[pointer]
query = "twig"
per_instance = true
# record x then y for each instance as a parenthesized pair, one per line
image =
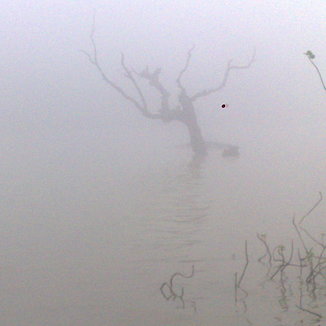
(236, 287)
(309, 311)
(282, 267)
(300, 277)
(93, 58)
(229, 67)
(245, 267)
(268, 252)
(300, 236)
(310, 210)
(184, 68)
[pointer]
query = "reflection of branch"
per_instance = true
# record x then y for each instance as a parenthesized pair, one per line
(229, 67)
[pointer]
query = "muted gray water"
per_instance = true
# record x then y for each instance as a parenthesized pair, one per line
(86, 246)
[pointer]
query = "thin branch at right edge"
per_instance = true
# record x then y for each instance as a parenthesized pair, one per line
(319, 73)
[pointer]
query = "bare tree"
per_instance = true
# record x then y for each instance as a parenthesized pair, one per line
(311, 57)
(184, 112)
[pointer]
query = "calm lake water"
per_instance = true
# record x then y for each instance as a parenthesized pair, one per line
(87, 240)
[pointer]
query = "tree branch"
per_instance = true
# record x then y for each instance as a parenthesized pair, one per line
(132, 79)
(229, 67)
(93, 58)
(167, 114)
(153, 80)
(184, 69)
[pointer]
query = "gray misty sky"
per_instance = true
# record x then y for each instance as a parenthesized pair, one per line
(52, 96)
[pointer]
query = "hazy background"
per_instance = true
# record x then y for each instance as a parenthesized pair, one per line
(88, 186)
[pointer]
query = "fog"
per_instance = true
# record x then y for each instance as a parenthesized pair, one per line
(101, 206)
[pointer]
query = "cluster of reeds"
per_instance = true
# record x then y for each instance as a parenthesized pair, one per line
(307, 261)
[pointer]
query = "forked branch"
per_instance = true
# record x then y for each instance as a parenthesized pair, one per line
(93, 59)
(184, 69)
(229, 68)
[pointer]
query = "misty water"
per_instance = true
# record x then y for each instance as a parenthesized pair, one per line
(90, 244)
(106, 217)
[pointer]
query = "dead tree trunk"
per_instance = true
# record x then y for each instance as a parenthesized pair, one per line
(189, 118)
(183, 112)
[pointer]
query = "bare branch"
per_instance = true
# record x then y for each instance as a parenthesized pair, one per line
(153, 79)
(184, 68)
(229, 68)
(131, 77)
(93, 58)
